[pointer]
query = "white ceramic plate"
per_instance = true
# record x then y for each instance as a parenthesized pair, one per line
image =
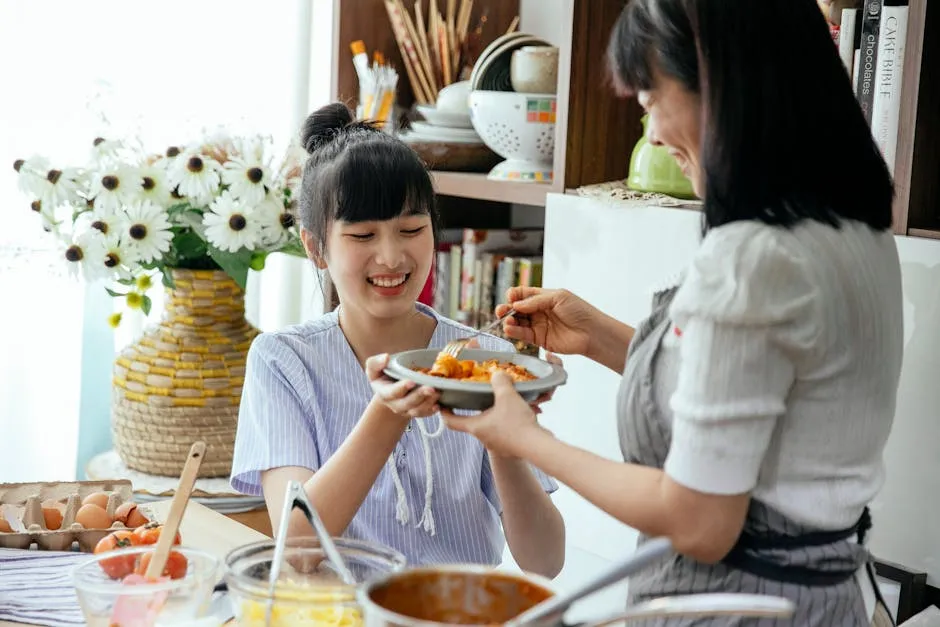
(472, 395)
(445, 119)
(410, 137)
(423, 128)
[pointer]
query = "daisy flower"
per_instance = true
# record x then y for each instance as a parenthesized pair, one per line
(154, 186)
(196, 176)
(83, 254)
(105, 152)
(231, 225)
(31, 175)
(276, 222)
(61, 187)
(146, 230)
(248, 179)
(116, 258)
(111, 189)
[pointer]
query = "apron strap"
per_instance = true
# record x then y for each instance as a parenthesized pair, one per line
(743, 556)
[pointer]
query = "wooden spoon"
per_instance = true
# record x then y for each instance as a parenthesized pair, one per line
(143, 610)
(177, 508)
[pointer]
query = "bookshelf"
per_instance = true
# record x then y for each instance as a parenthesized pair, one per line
(595, 131)
(917, 165)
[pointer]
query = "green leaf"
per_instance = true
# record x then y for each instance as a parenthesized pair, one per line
(167, 278)
(236, 265)
(127, 282)
(113, 293)
(145, 304)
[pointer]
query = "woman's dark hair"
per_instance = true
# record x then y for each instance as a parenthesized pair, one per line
(357, 173)
(783, 137)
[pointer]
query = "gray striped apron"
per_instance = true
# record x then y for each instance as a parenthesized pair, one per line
(774, 555)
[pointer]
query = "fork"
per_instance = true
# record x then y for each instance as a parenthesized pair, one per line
(455, 347)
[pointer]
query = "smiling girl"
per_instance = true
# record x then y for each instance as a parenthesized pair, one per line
(373, 454)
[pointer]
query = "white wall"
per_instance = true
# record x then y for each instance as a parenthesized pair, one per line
(615, 254)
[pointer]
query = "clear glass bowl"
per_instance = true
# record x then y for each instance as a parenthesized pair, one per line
(309, 591)
(176, 601)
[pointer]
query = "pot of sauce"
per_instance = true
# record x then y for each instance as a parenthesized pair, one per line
(483, 597)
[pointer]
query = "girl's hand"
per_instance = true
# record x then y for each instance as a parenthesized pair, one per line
(405, 398)
(502, 428)
(556, 320)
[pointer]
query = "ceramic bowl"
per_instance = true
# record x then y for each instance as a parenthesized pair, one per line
(474, 396)
(534, 69)
(521, 129)
(492, 73)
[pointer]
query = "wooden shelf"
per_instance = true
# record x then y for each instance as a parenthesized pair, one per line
(477, 186)
(928, 233)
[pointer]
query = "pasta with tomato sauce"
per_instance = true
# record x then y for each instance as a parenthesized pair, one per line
(449, 367)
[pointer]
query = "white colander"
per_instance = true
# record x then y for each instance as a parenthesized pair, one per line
(520, 128)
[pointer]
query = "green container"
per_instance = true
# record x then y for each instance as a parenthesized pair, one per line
(653, 169)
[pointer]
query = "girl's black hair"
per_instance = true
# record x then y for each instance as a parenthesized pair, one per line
(784, 138)
(358, 173)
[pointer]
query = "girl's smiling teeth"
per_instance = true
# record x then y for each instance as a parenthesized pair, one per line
(388, 280)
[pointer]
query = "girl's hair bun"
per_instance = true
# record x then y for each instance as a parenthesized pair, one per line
(324, 124)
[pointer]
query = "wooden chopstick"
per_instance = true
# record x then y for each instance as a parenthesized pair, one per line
(513, 25)
(423, 41)
(423, 59)
(412, 65)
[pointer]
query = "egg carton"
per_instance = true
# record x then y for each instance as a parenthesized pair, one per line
(21, 506)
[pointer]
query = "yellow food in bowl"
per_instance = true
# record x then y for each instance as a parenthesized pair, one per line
(302, 606)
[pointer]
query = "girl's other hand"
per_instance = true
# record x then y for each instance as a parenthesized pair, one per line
(405, 398)
(556, 320)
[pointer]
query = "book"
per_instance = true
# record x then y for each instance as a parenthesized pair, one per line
(868, 55)
(849, 35)
(886, 104)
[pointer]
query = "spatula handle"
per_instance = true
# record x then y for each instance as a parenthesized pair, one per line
(177, 508)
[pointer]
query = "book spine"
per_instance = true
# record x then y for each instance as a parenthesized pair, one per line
(847, 38)
(868, 62)
(886, 105)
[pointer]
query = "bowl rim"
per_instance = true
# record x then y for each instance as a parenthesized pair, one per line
(397, 369)
(111, 586)
(364, 592)
(243, 584)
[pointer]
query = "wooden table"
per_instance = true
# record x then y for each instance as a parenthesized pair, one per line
(201, 528)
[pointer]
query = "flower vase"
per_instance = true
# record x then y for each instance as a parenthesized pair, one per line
(182, 380)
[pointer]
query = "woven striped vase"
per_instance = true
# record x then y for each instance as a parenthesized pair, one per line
(182, 380)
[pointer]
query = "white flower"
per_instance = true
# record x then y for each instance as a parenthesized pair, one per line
(231, 225)
(153, 186)
(84, 254)
(112, 188)
(146, 230)
(248, 179)
(118, 258)
(276, 222)
(106, 153)
(104, 221)
(196, 176)
(31, 175)
(60, 187)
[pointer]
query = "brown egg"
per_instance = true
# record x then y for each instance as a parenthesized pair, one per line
(53, 517)
(5, 526)
(97, 498)
(92, 516)
(129, 515)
